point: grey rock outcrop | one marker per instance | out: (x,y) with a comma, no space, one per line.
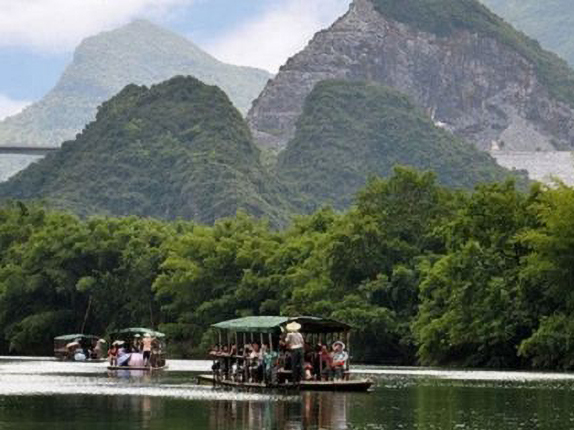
(474,85)
(541,166)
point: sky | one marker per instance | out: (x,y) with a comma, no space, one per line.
(38,37)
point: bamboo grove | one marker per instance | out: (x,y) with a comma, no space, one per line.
(424,274)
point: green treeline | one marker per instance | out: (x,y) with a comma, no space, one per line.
(425,274)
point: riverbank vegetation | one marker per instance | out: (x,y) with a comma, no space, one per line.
(425,274)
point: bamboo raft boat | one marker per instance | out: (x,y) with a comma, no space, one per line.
(268,331)
(79,348)
(130,337)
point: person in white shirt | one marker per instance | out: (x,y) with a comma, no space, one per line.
(146,347)
(295,344)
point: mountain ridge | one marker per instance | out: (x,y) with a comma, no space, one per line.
(178,149)
(484,91)
(138,53)
(350,131)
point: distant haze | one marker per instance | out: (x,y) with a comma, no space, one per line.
(41,35)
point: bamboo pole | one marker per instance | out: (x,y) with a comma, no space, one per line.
(87,314)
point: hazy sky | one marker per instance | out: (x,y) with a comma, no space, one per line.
(37,37)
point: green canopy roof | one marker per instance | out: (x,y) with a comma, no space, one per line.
(253,324)
(140,331)
(71,337)
(273,324)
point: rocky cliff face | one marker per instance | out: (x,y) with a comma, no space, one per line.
(478,87)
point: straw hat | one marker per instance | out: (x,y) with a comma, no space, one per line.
(293,326)
(137,335)
(102,341)
(339,343)
(72,344)
(147,335)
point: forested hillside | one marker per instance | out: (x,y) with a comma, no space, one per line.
(176,150)
(425,275)
(351,130)
(140,53)
(550,22)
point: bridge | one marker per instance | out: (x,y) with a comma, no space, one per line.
(27,150)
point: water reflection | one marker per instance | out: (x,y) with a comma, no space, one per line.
(48,395)
(328,411)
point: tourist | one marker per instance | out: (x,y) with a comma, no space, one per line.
(98,351)
(137,343)
(147,345)
(295,345)
(325,361)
(339,360)
(255,363)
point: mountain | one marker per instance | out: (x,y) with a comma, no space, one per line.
(550,22)
(139,53)
(352,130)
(469,69)
(176,150)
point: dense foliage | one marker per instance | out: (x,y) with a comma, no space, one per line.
(350,130)
(444,17)
(549,22)
(176,150)
(139,53)
(423,273)
(180,150)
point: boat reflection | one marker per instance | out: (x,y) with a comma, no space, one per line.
(325,411)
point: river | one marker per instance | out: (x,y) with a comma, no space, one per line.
(44,394)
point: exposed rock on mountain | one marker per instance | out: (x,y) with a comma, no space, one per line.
(472,72)
(351,130)
(139,53)
(176,150)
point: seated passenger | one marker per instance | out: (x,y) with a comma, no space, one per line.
(255,364)
(308,371)
(123,355)
(137,360)
(214,351)
(326,359)
(270,365)
(339,360)
(113,354)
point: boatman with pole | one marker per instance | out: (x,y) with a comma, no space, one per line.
(295,344)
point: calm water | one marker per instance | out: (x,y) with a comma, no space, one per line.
(43,394)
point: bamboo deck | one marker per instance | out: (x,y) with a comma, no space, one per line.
(359,385)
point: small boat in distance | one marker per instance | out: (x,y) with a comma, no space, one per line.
(137,348)
(253,353)
(79,348)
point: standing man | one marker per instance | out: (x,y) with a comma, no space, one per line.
(295,344)
(147,344)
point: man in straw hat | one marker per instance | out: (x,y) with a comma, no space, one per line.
(146,346)
(295,343)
